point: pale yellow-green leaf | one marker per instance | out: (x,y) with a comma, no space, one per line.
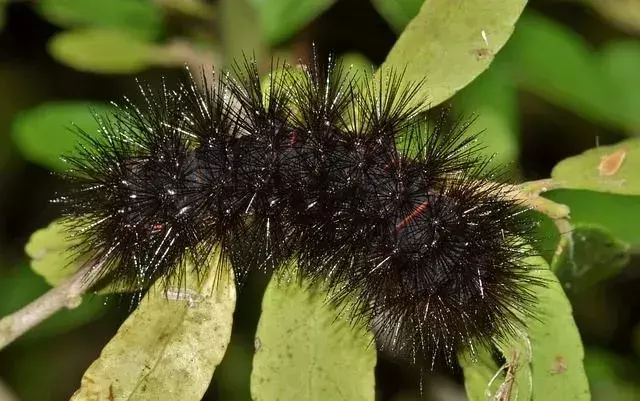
(612,169)
(169,346)
(450,42)
(48,249)
(306,351)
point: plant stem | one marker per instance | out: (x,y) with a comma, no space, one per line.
(66,295)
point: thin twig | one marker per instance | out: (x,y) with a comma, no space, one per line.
(66,295)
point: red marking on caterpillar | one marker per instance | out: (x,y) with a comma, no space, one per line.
(420,209)
(157,228)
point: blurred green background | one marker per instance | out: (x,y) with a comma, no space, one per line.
(568,80)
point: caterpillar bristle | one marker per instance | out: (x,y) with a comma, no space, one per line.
(397,214)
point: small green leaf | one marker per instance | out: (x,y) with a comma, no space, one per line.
(450,44)
(280,19)
(48,249)
(612,169)
(555,344)
(104,51)
(52,259)
(141,18)
(492,99)
(167,349)
(591,255)
(306,351)
(45,133)
(398,13)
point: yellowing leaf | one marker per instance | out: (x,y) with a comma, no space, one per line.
(306,351)
(450,42)
(170,346)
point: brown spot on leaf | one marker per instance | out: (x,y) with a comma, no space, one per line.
(482,53)
(610,164)
(560,365)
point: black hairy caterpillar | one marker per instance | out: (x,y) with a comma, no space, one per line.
(344,175)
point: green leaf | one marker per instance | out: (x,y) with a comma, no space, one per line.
(591,255)
(612,169)
(280,19)
(140,18)
(306,351)
(104,51)
(556,348)
(450,45)
(605,209)
(620,62)
(44,134)
(398,13)
(492,99)
(50,256)
(578,83)
(167,349)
